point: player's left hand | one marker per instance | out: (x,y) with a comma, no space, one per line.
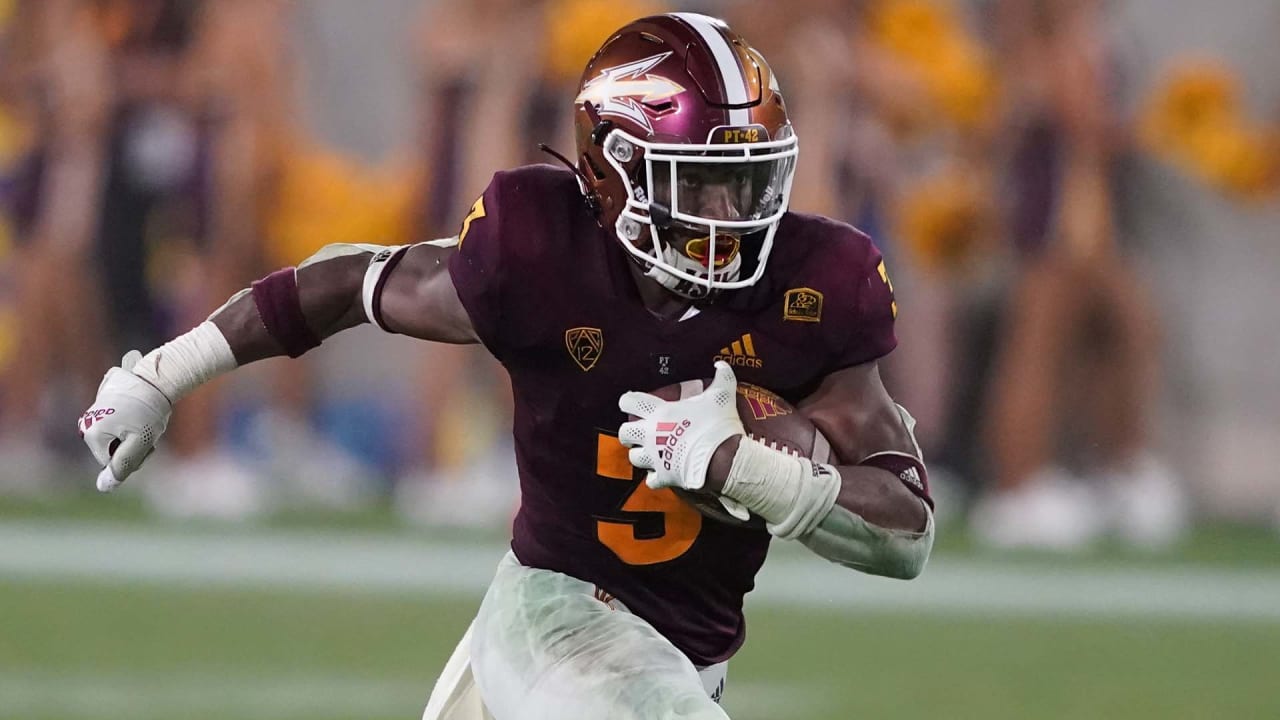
(675,439)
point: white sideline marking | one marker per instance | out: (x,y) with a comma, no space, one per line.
(102,695)
(404,564)
(177,694)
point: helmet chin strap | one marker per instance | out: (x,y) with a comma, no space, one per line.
(686,288)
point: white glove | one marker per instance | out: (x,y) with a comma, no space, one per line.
(125,421)
(675,439)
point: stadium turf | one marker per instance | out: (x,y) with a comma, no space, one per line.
(92,650)
(106,616)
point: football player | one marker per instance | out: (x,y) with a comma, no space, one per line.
(664,247)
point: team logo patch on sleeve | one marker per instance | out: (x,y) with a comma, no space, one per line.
(802,305)
(585,344)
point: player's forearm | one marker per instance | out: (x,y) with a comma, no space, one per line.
(880,498)
(848,539)
(875,494)
(860,516)
(877,525)
(328,298)
(286,313)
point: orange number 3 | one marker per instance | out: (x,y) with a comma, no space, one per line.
(681,523)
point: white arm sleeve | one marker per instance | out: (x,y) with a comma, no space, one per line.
(845,538)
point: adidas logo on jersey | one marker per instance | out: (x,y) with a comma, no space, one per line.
(740,353)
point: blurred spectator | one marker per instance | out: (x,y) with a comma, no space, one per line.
(147,190)
(486,111)
(475,105)
(58,84)
(320,197)
(181,66)
(277,197)
(193,151)
(1070,418)
(940,217)
(16,133)
(143,177)
(1195,118)
(895,104)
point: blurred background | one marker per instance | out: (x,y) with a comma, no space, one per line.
(1079,201)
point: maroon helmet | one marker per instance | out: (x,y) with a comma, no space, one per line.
(681,129)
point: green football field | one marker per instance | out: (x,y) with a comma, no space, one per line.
(129,620)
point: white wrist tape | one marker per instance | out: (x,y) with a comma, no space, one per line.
(187,361)
(792,494)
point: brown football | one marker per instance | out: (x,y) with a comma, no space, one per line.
(767,418)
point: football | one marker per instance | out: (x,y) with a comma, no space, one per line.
(767,417)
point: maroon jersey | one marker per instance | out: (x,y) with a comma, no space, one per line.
(550,295)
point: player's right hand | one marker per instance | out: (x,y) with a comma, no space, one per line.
(123,424)
(675,439)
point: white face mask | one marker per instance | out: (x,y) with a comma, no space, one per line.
(751,187)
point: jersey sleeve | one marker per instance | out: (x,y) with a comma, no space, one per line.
(477,268)
(874,311)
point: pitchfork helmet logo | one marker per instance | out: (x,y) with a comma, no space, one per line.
(620,90)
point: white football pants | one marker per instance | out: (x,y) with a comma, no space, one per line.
(546,646)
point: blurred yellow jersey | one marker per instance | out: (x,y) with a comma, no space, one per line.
(324,198)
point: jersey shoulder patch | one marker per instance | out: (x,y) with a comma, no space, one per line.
(832,275)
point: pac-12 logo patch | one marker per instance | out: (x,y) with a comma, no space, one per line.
(585,345)
(802,305)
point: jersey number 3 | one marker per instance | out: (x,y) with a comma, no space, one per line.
(651,526)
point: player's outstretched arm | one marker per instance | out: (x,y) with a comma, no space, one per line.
(404,289)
